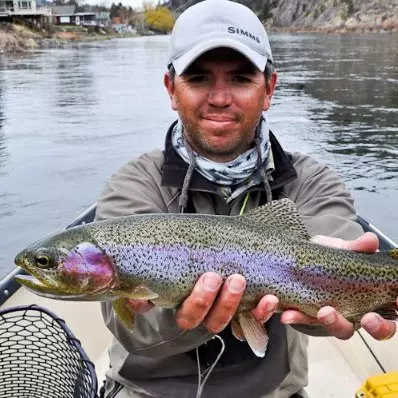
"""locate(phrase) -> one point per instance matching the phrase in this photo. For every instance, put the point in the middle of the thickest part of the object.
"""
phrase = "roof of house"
(63, 10)
(84, 13)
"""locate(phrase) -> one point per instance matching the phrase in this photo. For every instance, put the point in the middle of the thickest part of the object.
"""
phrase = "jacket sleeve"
(326, 206)
(135, 189)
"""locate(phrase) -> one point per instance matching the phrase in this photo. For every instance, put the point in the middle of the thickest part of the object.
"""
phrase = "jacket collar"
(175, 169)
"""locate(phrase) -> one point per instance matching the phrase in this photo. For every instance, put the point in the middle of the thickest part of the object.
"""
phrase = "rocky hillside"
(335, 15)
(319, 15)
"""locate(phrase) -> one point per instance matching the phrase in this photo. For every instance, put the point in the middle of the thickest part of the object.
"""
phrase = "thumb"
(368, 242)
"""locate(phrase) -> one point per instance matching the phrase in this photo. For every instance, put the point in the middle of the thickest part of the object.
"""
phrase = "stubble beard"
(198, 143)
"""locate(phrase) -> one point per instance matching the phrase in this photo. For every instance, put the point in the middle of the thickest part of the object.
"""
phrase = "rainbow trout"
(159, 257)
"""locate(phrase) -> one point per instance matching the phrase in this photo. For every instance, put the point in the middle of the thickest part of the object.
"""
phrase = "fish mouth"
(40, 288)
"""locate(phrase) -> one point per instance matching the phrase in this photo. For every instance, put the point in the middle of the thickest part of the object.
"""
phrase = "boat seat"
(40, 357)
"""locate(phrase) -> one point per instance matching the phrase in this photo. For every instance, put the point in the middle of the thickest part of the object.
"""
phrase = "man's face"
(219, 99)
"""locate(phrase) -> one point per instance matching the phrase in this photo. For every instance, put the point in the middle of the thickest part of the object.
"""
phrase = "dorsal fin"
(281, 215)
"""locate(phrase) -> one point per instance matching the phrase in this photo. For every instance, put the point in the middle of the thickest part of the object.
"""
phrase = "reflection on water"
(3, 150)
(74, 86)
(355, 82)
(70, 117)
(343, 95)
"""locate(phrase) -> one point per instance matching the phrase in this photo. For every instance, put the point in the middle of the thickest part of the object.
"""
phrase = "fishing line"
(371, 352)
(207, 371)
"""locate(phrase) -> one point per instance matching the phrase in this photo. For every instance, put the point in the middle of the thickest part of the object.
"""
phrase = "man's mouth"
(220, 118)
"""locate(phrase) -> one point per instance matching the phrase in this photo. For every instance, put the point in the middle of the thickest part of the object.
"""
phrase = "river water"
(71, 117)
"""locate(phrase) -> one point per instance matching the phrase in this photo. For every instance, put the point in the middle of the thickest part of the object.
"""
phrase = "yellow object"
(380, 386)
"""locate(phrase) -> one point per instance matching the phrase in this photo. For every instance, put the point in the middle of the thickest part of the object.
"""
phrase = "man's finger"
(335, 323)
(196, 306)
(226, 304)
(377, 327)
(292, 317)
(265, 308)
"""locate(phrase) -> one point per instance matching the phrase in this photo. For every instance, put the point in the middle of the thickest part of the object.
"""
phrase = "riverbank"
(354, 28)
(18, 39)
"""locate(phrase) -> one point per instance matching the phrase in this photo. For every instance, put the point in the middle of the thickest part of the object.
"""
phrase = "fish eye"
(42, 261)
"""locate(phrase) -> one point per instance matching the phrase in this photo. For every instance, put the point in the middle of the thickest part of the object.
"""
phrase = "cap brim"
(182, 63)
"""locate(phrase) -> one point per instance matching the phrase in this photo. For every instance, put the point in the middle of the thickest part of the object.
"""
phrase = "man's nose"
(220, 94)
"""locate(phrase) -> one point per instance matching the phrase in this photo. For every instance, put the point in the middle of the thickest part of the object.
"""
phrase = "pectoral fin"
(254, 333)
(124, 312)
(138, 293)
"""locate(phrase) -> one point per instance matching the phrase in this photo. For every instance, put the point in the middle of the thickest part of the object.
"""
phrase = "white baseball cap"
(218, 23)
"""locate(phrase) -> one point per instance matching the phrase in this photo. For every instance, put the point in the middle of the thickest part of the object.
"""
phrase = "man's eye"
(197, 78)
(241, 79)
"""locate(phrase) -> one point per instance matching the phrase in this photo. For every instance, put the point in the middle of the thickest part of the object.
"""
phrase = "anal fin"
(388, 312)
(254, 333)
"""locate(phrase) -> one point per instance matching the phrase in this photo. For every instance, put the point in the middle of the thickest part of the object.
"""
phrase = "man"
(221, 158)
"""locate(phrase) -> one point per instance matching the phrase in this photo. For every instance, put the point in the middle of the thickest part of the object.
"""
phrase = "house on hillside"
(85, 19)
(120, 26)
(63, 14)
(103, 19)
(66, 15)
(22, 8)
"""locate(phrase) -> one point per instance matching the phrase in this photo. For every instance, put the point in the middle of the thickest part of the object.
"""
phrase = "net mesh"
(39, 357)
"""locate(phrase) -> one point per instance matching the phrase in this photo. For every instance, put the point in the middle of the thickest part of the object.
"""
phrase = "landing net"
(40, 357)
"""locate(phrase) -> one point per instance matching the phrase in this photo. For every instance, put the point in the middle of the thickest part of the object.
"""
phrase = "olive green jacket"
(153, 360)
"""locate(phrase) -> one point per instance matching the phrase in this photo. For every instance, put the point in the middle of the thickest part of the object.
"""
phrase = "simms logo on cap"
(232, 29)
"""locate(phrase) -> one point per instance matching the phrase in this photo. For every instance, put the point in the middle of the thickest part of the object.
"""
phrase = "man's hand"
(328, 317)
(211, 302)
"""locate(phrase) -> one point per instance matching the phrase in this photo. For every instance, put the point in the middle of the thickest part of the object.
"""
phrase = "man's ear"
(269, 91)
(169, 84)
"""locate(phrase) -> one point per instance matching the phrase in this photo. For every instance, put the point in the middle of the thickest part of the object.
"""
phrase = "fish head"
(68, 263)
